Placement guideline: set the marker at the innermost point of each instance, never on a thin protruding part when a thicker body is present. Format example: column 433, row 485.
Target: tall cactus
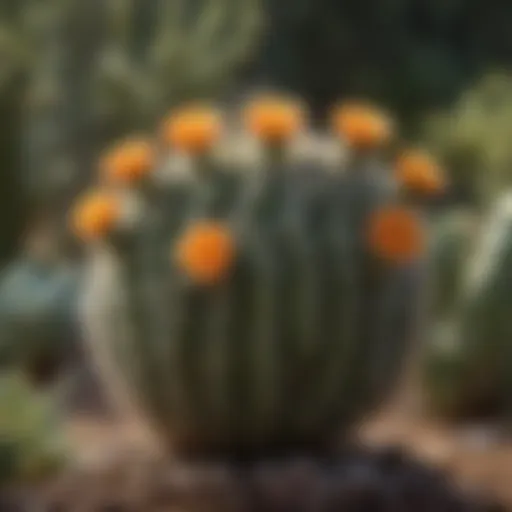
column 76, row 74
column 468, row 364
column 252, row 300
column 13, row 79
column 192, row 52
column 29, row 83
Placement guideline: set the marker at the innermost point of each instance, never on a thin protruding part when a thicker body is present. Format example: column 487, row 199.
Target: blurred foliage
column 12, row 204
column 409, row 54
column 24, row 25
column 125, row 63
column 189, row 50
column 31, row 444
column 474, row 139
column 75, row 74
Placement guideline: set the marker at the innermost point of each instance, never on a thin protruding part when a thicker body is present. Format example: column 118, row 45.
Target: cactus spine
column 251, row 309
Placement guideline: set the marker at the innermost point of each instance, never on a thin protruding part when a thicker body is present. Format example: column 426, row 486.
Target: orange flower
column 395, row 234
column 94, row 215
column 193, row 129
column 205, row 251
column 418, row 172
column 362, row 126
column 129, row 162
column 274, row 119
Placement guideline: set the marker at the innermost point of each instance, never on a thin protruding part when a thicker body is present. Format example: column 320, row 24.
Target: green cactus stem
column 452, row 239
column 479, row 328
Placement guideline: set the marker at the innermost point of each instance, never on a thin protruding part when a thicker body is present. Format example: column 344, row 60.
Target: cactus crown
column 249, row 276
column 271, row 122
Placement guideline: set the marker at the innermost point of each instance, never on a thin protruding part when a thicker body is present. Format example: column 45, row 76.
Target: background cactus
column 471, row 138
column 13, row 80
column 31, row 102
column 192, row 52
column 31, row 445
column 453, row 234
column 251, row 308
column 75, row 74
column 111, row 66
column 468, row 364
column 37, row 294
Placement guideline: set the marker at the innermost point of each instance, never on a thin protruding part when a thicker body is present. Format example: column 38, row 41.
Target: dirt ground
column 474, row 455
column 477, row 456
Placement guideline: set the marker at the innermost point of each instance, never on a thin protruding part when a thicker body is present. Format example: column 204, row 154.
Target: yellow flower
column 362, row 126
column 418, row 172
column 274, row 119
column 193, row 129
column 205, row 252
column 395, row 234
column 94, row 215
column 129, row 162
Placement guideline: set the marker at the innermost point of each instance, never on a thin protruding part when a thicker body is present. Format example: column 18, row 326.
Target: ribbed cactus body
column 475, row 343
column 303, row 335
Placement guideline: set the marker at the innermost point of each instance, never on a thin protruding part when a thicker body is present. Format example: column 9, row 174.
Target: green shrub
column 472, row 137
column 31, row 444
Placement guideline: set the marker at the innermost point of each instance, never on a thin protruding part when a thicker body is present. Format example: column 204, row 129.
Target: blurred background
column 76, row 75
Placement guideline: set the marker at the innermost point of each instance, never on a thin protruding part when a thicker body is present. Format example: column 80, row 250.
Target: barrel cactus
column 467, row 368
column 253, row 289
